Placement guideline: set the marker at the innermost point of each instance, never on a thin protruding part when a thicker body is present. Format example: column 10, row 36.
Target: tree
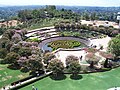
column 114, row 46
column 11, row 57
column 93, row 16
column 51, row 7
column 73, row 65
column 24, row 51
column 16, row 38
column 35, row 65
column 47, row 57
column 3, row 42
column 92, row 59
column 3, row 53
column 15, row 48
column 71, row 58
column 56, row 66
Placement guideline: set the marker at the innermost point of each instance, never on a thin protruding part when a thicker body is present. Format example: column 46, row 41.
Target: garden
column 64, row 44
column 23, row 55
column 82, row 33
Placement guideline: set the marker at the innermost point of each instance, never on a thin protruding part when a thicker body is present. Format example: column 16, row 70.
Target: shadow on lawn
column 76, row 77
column 59, row 77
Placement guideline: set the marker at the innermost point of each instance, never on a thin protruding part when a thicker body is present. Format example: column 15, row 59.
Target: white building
column 118, row 18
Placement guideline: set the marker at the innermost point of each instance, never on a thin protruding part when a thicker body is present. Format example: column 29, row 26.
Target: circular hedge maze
column 64, row 44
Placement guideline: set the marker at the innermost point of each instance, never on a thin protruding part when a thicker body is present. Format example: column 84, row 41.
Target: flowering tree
column 92, row 59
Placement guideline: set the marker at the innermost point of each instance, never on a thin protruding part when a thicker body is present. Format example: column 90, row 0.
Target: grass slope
column 93, row 81
column 8, row 76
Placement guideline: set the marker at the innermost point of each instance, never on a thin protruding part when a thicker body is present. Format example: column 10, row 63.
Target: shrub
column 24, row 51
column 14, row 66
column 33, row 40
column 24, row 69
column 3, row 53
column 11, row 57
column 64, row 44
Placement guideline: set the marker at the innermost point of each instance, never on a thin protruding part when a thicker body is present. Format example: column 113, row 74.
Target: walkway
column 101, row 42
column 62, row 55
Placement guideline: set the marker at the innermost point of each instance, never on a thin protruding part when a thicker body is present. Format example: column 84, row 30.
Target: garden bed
column 64, row 44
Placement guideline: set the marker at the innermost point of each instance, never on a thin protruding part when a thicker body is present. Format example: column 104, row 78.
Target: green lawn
column 93, row 81
column 8, row 76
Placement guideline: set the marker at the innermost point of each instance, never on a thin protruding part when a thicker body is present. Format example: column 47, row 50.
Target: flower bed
column 64, row 44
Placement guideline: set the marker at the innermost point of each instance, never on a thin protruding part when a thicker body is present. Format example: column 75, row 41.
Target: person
column 3, row 88
column 81, row 57
column 33, row 87
column 115, row 88
column 14, row 84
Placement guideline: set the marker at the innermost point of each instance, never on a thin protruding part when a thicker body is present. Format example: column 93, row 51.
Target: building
column 118, row 18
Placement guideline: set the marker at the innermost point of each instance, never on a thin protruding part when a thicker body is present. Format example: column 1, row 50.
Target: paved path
column 40, row 29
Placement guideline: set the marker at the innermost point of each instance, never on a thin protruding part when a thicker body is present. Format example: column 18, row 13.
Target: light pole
column 118, row 18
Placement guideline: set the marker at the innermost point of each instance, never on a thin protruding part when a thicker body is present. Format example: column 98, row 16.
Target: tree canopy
column 114, row 46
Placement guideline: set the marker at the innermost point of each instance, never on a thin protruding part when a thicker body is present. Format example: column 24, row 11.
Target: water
column 46, row 48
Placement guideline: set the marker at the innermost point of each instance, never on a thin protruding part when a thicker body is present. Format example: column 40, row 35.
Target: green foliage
column 14, row 66
column 64, row 44
column 47, row 57
column 3, row 53
column 35, row 65
column 33, row 40
column 71, row 58
column 44, row 17
column 72, row 63
column 70, row 33
column 77, row 26
column 11, row 57
column 2, row 30
column 24, row 51
column 56, row 66
column 15, row 48
column 74, row 67
column 114, row 45
column 24, row 69
column 92, row 59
